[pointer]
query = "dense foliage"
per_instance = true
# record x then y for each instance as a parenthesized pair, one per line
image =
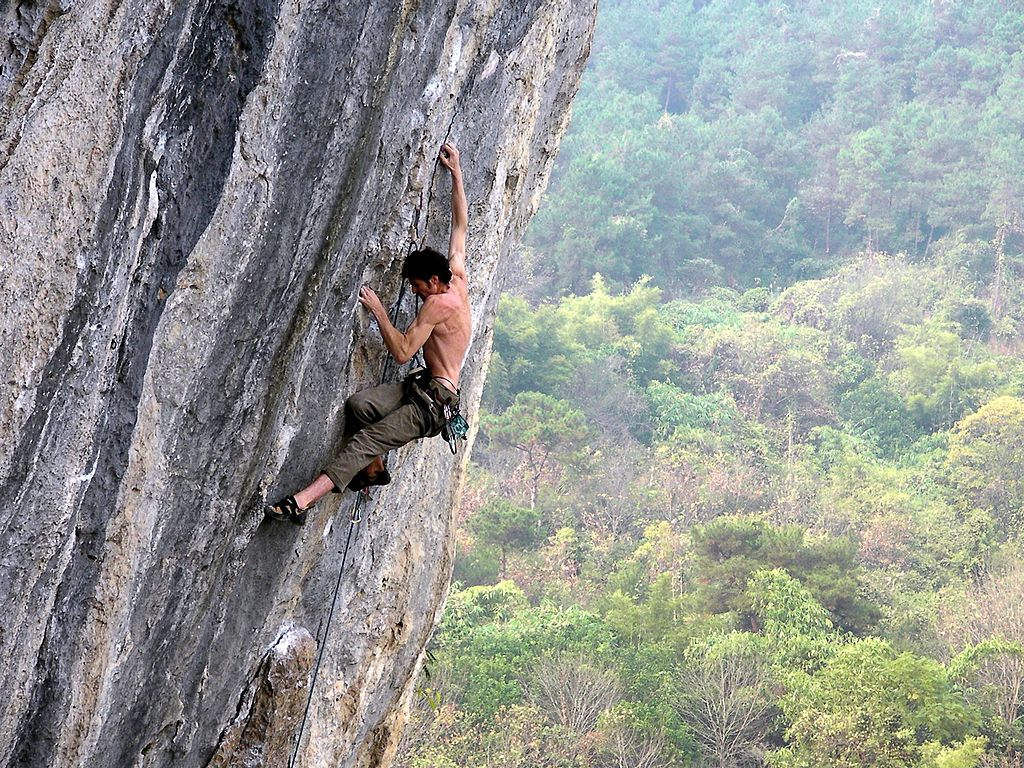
(748, 487)
(748, 143)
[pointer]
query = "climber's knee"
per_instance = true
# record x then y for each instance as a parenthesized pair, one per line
(360, 408)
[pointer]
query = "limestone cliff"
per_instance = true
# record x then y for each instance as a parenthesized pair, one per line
(191, 193)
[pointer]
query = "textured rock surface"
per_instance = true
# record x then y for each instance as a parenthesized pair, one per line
(190, 195)
(272, 707)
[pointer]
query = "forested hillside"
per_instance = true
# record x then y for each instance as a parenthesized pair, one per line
(749, 487)
(758, 143)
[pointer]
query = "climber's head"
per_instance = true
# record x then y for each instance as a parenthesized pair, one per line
(427, 272)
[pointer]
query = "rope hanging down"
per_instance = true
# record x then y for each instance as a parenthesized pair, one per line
(354, 517)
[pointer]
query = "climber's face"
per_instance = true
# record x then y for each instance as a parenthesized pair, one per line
(424, 288)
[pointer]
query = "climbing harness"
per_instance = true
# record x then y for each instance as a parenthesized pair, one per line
(454, 425)
(431, 395)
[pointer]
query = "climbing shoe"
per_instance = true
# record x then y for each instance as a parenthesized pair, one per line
(364, 479)
(286, 509)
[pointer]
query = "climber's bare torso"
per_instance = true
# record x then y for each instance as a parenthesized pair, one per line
(443, 326)
(445, 347)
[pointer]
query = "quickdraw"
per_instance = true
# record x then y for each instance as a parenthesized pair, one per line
(455, 427)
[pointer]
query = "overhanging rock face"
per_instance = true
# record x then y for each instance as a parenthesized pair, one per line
(191, 194)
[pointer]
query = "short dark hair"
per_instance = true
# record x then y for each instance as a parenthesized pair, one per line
(424, 264)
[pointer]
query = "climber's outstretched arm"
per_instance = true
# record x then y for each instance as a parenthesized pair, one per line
(460, 212)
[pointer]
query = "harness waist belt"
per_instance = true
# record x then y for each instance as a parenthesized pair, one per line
(430, 390)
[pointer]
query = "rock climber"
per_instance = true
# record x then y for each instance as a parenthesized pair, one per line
(391, 415)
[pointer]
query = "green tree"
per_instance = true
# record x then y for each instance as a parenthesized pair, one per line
(986, 460)
(659, 615)
(872, 705)
(543, 429)
(531, 352)
(875, 411)
(941, 376)
(506, 526)
(710, 421)
(775, 373)
(487, 657)
(729, 550)
(796, 628)
(1002, 120)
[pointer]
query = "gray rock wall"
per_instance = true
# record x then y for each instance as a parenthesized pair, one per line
(191, 194)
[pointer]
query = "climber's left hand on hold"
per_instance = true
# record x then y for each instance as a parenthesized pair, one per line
(371, 301)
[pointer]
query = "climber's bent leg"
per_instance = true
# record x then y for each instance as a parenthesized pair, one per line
(362, 409)
(369, 406)
(406, 423)
(362, 451)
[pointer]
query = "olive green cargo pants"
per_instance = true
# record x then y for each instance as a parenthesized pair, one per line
(378, 420)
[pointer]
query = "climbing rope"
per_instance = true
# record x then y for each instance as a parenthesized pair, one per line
(430, 187)
(355, 516)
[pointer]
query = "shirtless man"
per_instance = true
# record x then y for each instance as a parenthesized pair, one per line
(391, 415)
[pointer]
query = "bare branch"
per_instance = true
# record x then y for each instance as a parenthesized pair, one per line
(573, 692)
(727, 702)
